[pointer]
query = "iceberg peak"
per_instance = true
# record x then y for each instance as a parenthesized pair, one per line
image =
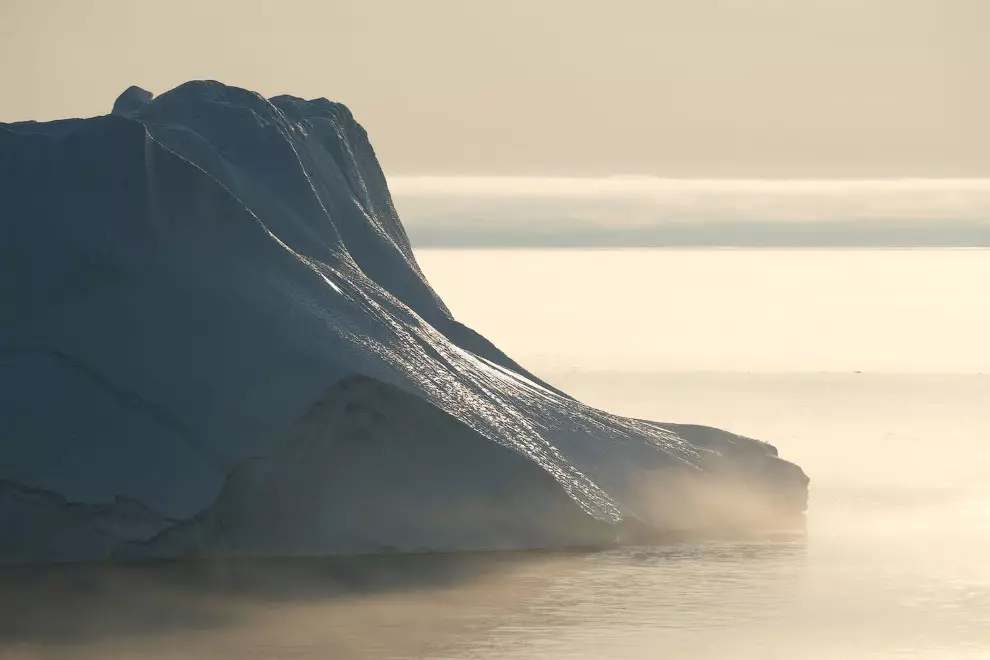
(131, 100)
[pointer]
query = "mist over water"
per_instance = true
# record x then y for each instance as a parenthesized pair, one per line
(760, 311)
(869, 369)
(646, 211)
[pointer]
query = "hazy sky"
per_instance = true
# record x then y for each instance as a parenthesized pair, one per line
(745, 88)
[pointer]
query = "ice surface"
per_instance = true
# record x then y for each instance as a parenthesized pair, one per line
(184, 280)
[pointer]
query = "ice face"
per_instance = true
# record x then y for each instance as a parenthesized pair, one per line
(183, 279)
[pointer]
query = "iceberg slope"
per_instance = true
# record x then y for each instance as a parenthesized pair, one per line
(372, 468)
(189, 275)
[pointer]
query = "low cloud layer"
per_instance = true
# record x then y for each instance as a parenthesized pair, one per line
(647, 212)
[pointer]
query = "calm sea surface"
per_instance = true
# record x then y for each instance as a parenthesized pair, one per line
(869, 368)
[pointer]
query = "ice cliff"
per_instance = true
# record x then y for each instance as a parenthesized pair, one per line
(215, 340)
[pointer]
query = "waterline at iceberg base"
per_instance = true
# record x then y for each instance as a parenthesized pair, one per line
(216, 341)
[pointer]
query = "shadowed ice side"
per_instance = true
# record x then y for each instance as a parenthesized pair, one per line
(218, 336)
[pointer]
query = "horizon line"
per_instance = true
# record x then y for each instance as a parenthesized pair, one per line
(541, 185)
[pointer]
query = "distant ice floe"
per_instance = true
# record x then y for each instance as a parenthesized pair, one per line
(650, 211)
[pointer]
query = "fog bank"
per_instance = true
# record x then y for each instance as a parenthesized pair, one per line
(636, 211)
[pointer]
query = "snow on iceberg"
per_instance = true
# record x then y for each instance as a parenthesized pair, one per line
(212, 310)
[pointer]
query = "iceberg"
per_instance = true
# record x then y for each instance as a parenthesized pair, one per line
(216, 341)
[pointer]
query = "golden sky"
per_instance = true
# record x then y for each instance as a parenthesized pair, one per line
(707, 88)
